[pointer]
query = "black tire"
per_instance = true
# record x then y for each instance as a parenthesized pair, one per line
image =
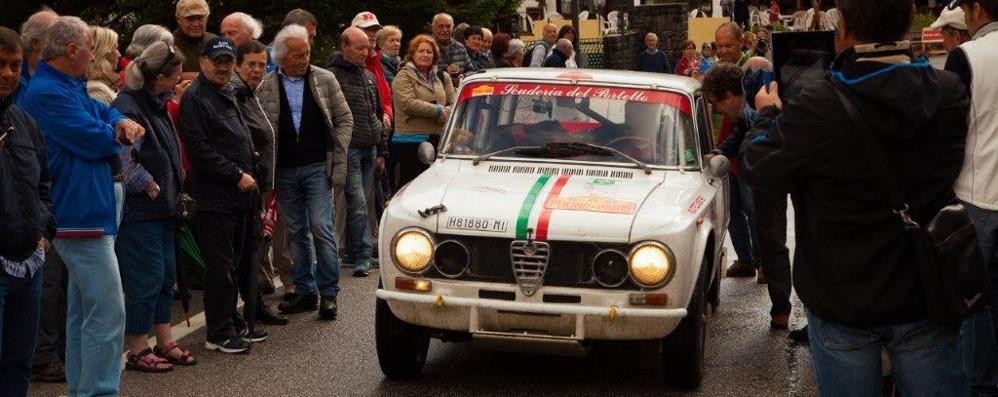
(683, 350)
(714, 293)
(402, 347)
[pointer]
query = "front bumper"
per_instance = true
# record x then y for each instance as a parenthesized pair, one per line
(531, 320)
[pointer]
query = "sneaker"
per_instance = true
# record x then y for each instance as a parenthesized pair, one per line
(741, 269)
(760, 277)
(234, 345)
(799, 335)
(780, 321)
(255, 336)
(375, 262)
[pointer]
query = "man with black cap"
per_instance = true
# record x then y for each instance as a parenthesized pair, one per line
(220, 149)
(975, 62)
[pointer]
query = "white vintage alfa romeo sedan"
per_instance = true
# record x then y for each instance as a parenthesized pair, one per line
(562, 208)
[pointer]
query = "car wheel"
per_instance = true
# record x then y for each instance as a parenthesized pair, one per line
(401, 346)
(683, 350)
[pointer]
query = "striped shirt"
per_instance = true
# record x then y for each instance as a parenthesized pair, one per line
(25, 269)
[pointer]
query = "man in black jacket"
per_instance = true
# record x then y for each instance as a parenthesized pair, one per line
(853, 262)
(562, 50)
(220, 149)
(26, 224)
(367, 145)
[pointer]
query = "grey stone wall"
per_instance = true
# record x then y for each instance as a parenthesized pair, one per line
(621, 51)
(669, 21)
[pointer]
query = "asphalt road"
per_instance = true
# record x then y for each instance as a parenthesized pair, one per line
(314, 358)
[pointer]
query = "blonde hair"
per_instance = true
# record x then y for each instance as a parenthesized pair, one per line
(155, 60)
(386, 32)
(101, 69)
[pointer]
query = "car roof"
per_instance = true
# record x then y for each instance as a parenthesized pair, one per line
(625, 77)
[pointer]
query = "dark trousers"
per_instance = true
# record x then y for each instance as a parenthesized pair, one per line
(771, 223)
(226, 240)
(247, 276)
(51, 347)
(20, 298)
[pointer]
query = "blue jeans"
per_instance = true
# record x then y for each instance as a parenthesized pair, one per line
(742, 225)
(20, 303)
(979, 330)
(925, 358)
(95, 316)
(147, 260)
(304, 194)
(360, 175)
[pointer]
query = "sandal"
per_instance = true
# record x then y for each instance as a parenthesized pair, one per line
(146, 361)
(186, 358)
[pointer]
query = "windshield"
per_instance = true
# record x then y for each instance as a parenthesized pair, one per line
(654, 127)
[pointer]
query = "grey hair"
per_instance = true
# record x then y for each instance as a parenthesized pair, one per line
(146, 35)
(387, 32)
(515, 45)
(34, 28)
(254, 25)
(151, 63)
(443, 15)
(281, 41)
(65, 31)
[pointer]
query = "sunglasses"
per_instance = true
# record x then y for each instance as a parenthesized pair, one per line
(169, 57)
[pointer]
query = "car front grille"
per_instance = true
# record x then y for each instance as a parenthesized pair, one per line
(568, 264)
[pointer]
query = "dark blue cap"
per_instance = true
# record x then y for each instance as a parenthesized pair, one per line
(219, 46)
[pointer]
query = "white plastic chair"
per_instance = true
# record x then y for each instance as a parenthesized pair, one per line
(530, 24)
(555, 17)
(754, 18)
(604, 25)
(584, 15)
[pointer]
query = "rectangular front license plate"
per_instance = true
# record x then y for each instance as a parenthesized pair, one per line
(479, 224)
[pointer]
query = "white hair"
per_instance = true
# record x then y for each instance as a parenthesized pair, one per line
(36, 25)
(253, 25)
(443, 15)
(289, 32)
(515, 46)
(64, 31)
(486, 32)
(146, 35)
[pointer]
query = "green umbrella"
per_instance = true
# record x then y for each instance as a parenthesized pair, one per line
(187, 251)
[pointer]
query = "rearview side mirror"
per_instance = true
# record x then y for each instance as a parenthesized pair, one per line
(718, 167)
(427, 153)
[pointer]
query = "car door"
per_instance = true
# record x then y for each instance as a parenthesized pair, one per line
(721, 201)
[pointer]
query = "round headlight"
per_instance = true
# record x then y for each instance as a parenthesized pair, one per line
(610, 268)
(651, 265)
(451, 258)
(413, 250)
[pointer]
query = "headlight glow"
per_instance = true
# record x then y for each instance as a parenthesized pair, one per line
(413, 250)
(651, 265)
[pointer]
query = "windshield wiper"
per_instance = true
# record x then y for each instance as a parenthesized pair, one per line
(565, 150)
(486, 156)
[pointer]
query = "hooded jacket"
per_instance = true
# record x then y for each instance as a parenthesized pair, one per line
(852, 265)
(419, 101)
(25, 206)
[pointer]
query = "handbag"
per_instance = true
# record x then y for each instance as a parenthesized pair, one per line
(950, 265)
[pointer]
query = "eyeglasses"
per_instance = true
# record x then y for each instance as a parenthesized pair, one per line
(169, 57)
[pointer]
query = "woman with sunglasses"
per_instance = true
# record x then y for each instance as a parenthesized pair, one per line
(146, 238)
(685, 66)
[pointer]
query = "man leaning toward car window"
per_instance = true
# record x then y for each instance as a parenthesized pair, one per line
(852, 265)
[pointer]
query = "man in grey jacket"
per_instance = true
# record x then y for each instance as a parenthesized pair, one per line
(367, 145)
(313, 122)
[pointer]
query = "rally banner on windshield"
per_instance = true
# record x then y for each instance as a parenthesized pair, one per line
(670, 99)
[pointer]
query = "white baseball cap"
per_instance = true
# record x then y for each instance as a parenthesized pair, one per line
(367, 19)
(952, 17)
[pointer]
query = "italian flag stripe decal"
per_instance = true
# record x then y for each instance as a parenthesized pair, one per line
(545, 219)
(528, 204)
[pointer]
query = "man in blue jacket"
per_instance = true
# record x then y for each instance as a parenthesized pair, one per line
(25, 223)
(82, 136)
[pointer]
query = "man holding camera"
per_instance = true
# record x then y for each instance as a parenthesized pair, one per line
(853, 263)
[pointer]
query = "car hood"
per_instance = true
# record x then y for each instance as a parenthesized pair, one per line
(554, 206)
